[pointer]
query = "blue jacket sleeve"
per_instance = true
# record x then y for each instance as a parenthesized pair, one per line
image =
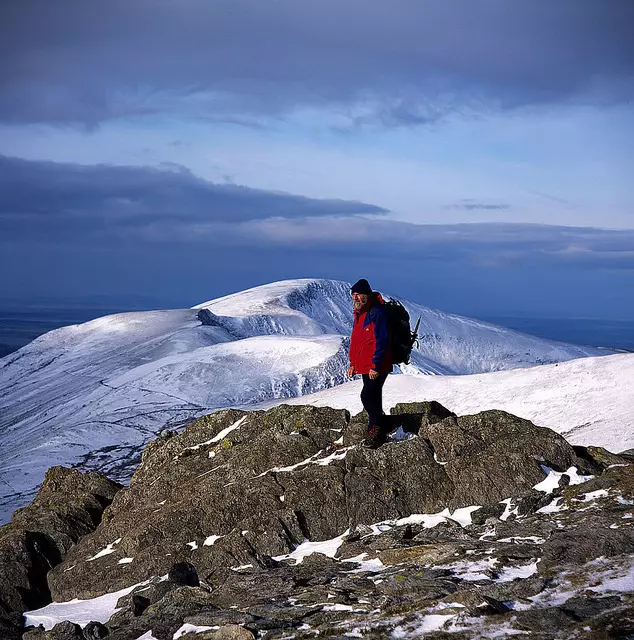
(381, 336)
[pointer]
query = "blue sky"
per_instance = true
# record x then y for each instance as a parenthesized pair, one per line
(472, 156)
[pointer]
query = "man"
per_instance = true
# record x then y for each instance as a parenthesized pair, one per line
(370, 355)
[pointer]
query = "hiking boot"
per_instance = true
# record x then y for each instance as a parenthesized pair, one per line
(374, 439)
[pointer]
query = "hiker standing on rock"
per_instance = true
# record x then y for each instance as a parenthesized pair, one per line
(370, 355)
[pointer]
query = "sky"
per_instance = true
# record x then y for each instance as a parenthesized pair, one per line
(472, 156)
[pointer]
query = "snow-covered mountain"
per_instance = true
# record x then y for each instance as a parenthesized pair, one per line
(93, 394)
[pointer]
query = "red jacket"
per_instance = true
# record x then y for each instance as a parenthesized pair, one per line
(370, 339)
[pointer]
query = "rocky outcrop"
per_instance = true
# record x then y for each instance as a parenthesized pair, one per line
(278, 524)
(235, 487)
(68, 505)
(431, 576)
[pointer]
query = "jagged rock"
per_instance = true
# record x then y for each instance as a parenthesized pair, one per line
(583, 608)
(68, 505)
(583, 543)
(478, 582)
(95, 631)
(11, 624)
(426, 554)
(164, 617)
(414, 415)
(238, 488)
(217, 616)
(226, 632)
(495, 443)
(184, 574)
(65, 631)
(547, 620)
(484, 513)
(476, 603)
(603, 458)
(617, 623)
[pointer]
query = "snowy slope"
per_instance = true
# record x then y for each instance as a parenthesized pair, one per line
(589, 401)
(93, 394)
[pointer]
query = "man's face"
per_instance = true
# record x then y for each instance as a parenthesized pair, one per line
(359, 300)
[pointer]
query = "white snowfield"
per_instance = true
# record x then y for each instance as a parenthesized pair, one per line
(92, 394)
(589, 401)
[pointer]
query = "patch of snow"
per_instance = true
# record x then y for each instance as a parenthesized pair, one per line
(551, 482)
(489, 533)
(326, 547)
(125, 560)
(193, 544)
(509, 510)
(429, 520)
(211, 540)
(105, 552)
(622, 500)
(337, 455)
(511, 573)
(81, 612)
(447, 605)
(440, 462)
(473, 571)
(314, 459)
(241, 567)
(620, 580)
(191, 628)
(424, 624)
(553, 507)
(400, 436)
(373, 565)
(147, 636)
(463, 515)
(340, 607)
(593, 495)
(232, 427)
(522, 539)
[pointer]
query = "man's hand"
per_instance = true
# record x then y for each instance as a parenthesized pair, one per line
(374, 374)
(351, 371)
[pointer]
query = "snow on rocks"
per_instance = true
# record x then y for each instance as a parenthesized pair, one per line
(81, 612)
(326, 547)
(355, 545)
(105, 552)
(553, 479)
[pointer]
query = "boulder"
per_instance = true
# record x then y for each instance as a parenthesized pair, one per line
(68, 505)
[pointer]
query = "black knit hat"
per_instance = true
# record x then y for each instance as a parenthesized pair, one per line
(361, 286)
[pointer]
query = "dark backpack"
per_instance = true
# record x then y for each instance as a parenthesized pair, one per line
(402, 338)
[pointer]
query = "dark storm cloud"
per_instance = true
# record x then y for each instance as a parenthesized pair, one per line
(77, 61)
(51, 200)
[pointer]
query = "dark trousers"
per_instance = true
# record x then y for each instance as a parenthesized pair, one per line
(372, 399)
